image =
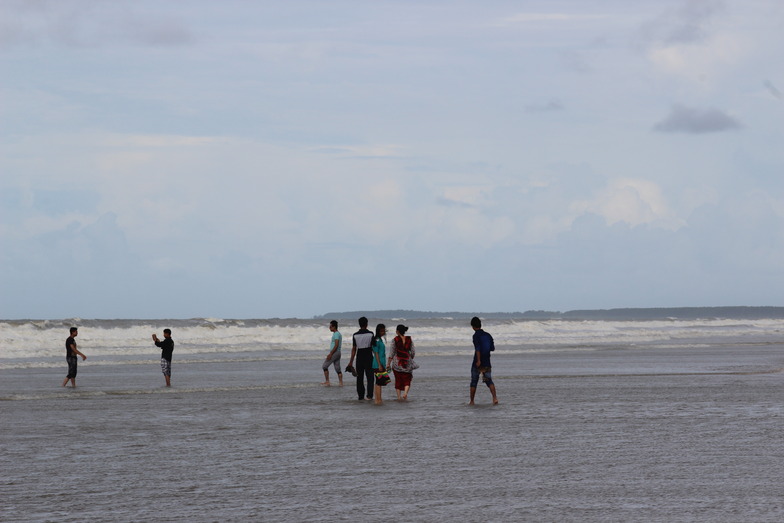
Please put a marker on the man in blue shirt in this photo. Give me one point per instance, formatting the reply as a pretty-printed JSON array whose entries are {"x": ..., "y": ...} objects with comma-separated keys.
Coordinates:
[{"x": 480, "y": 365}]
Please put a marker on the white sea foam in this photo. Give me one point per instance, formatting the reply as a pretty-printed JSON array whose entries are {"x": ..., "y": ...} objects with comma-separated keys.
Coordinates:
[{"x": 290, "y": 338}]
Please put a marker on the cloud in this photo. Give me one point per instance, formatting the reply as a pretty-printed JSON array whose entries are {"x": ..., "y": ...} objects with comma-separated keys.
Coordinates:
[
  {"x": 146, "y": 141},
  {"x": 167, "y": 31},
  {"x": 772, "y": 89},
  {"x": 361, "y": 151},
  {"x": 464, "y": 196},
  {"x": 700, "y": 62},
  {"x": 452, "y": 203},
  {"x": 633, "y": 202},
  {"x": 695, "y": 43},
  {"x": 60, "y": 202},
  {"x": 305, "y": 150},
  {"x": 525, "y": 18},
  {"x": 696, "y": 121},
  {"x": 547, "y": 107},
  {"x": 575, "y": 61},
  {"x": 88, "y": 24},
  {"x": 687, "y": 25}
]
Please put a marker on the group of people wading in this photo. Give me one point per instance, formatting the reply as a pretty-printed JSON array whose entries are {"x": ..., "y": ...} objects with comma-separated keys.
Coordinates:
[
  {"x": 373, "y": 364},
  {"x": 369, "y": 351}
]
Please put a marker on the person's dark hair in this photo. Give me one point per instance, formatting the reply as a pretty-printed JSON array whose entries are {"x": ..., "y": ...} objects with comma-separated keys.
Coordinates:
[
  {"x": 334, "y": 323},
  {"x": 379, "y": 327},
  {"x": 402, "y": 329},
  {"x": 73, "y": 329},
  {"x": 167, "y": 331},
  {"x": 363, "y": 322},
  {"x": 476, "y": 323}
]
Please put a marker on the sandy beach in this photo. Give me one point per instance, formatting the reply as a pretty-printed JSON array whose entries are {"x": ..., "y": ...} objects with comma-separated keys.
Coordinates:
[{"x": 616, "y": 435}]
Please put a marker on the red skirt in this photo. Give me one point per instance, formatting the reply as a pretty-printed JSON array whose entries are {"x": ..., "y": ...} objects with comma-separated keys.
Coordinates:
[{"x": 402, "y": 379}]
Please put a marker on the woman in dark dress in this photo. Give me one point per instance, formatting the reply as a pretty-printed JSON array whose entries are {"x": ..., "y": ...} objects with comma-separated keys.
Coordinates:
[{"x": 401, "y": 357}]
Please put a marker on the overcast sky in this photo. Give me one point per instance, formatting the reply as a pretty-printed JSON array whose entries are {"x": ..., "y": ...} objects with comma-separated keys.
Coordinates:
[{"x": 237, "y": 159}]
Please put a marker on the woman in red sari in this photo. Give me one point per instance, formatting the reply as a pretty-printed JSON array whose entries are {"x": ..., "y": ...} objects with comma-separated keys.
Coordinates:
[{"x": 401, "y": 357}]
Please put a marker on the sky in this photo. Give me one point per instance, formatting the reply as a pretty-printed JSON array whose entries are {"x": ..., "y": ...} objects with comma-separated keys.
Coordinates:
[{"x": 238, "y": 159}]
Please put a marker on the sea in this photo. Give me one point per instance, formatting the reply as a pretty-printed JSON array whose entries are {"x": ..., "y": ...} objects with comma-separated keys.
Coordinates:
[{"x": 661, "y": 419}]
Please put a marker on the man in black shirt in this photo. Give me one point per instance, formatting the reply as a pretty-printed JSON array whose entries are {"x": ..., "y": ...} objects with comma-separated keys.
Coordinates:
[
  {"x": 71, "y": 353},
  {"x": 167, "y": 347},
  {"x": 360, "y": 349}
]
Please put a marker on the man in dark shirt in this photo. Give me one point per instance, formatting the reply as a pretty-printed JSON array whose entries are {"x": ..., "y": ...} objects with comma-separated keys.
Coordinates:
[
  {"x": 480, "y": 365},
  {"x": 167, "y": 347},
  {"x": 71, "y": 357},
  {"x": 360, "y": 348}
]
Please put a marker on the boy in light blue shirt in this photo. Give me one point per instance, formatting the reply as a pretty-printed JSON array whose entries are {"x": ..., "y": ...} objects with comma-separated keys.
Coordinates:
[{"x": 333, "y": 358}]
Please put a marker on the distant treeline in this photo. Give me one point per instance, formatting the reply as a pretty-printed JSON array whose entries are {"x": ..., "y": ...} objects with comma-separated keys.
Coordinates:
[
  {"x": 414, "y": 315},
  {"x": 663, "y": 313}
]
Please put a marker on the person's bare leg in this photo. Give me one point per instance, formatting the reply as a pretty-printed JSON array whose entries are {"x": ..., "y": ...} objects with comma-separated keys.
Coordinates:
[
  {"x": 65, "y": 381},
  {"x": 405, "y": 392},
  {"x": 377, "y": 395},
  {"x": 340, "y": 378},
  {"x": 473, "y": 393},
  {"x": 492, "y": 391},
  {"x": 326, "y": 379},
  {"x": 168, "y": 381}
]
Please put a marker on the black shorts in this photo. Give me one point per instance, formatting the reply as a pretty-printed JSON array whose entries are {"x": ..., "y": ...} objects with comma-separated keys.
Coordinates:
[{"x": 73, "y": 362}]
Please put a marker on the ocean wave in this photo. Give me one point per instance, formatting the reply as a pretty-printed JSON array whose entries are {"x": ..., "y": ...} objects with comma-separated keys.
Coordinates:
[{"x": 31, "y": 339}]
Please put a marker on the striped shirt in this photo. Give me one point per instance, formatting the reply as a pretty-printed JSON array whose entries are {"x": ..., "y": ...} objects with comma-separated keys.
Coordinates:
[{"x": 363, "y": 339}]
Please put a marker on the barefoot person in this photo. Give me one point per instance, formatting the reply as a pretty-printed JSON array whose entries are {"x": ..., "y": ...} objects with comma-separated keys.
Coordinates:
[
  {"x": 401, "y": 359},
  {"x": 379, "y": 356},
  {"x": 72, "y": 357},
  {"x": 333, "y": 358},
  {"x": 167, "y": 347},
  {"x": 480, "y": 365},
  {"x": 360, "y": 348}
]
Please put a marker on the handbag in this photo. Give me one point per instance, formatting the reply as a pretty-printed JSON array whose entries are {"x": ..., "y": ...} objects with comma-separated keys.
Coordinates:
[{"x": 382, "y": 378}]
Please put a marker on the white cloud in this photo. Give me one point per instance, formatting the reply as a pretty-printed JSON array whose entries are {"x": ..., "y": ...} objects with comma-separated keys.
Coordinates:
[
  {"x": 470, "y": 196},
  {"x": 690, "y": 22},
  {"x": 525, "y": 18},
  {"x": 699, "y": 62},
  {"x": 156, "y": 141},
  {"x": 543, "y": 229},
  {"x": 633, "y": 202},
  {"x": 39, "y": 224},
  {"x": 88, "y": 24},
  {"x": 701, "y": 42},
  {"x": 309, "y": 147},
  {"x": 448, "y": 227},
  {"x": 362, "y": 151}
]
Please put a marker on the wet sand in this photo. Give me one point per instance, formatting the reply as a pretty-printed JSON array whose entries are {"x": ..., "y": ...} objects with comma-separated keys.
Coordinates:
[{"x": 616, "y": 435}]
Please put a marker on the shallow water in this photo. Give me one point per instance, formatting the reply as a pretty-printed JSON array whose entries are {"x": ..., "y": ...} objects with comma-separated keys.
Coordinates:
[{"x": 664, "y": 434}]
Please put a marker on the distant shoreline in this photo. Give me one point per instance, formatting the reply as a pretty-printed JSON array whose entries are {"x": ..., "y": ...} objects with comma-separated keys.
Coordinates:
[
  {"x": 651, "y": 313},
  {"x": 619, "y": 314}
]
